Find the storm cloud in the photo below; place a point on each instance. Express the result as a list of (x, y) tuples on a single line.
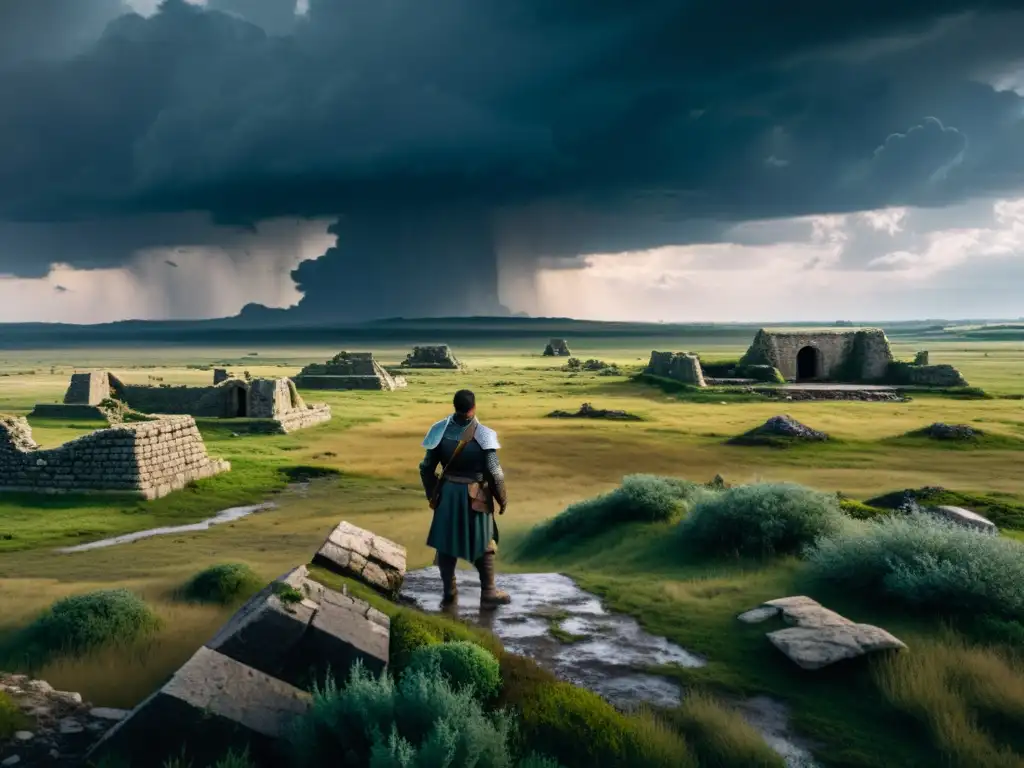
[(460, 142)]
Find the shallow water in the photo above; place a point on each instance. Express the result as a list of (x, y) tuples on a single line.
[(608, 654), (224, 516)]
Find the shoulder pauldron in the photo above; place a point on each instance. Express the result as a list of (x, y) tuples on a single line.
[(435, 433), (487, 438)]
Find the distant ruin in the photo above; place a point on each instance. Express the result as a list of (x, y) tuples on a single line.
[(826, 354), (148, 459), (348, 370), (683, 367), (436, 356), (557, 348), (274, 401)]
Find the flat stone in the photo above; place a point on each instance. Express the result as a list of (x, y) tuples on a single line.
[(24, 735), (819, 636), (360, 554), (69, 726), (38, 686), (9, 761), (108, 713), (964, 517), (213, 704)]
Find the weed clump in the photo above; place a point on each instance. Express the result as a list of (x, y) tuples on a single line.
[(223, 584), (919, 562), (640, 499), (462, 664), (761, 519), (719, 736), (11, 717), (419, 721), (80, 623)]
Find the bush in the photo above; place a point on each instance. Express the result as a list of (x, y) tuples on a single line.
[(77, 624), (411, 630), (764, 373), (761, 519), (720, 737), (462, 664), (420, 721), (640, 498), (858, 510), (222, 584), (916, 561), (582, 730)]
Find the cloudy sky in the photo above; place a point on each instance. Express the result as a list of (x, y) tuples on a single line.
[(610, 159)]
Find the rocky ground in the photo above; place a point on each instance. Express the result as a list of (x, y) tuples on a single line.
[(587, 411), (779, 430), (60, 727)]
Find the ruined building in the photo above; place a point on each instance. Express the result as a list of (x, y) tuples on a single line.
[(557, 348), (678, 366), (436, 356), (148, 459), (348, 370), (827, 354), (275, 401)]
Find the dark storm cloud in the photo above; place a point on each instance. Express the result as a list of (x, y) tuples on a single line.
[(536, 128), (32, 30)]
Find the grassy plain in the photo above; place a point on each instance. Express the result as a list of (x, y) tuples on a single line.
[(372, 445)]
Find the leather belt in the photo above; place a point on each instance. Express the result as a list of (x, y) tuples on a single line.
[(462, 480)]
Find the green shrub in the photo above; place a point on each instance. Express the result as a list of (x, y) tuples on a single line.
[(720, 737), (917, 561), (462, 664), (640, 499), (77, 624), (420, 721), (11, 718), (761, 519), (411, 630), (538, 761), (222, 584), (764, 373), (858, 510), (579, 728)]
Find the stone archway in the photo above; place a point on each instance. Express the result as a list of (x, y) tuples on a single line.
[(241, 402), (808, 364)]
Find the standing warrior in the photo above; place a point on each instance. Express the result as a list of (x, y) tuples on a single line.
[(463, 497)]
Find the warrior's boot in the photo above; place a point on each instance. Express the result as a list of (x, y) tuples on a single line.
[(490, 595), (446, 564)]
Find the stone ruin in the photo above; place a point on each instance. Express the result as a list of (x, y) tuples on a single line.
[(921, 358), (276, 402), (148, 459), (829, 354), (219, 375), (245, 685), (557, 348), (587, 411), (779, 431), (436, 356), (683, 367), (348, 370)]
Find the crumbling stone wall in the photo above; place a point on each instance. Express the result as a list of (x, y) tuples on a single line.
[(88, 388), (436, 356), (854, 355), (221, 401), (679, 366), (921, 358), (348, 370), (219, 375), (150, 459), (557, 348), (925, 375)]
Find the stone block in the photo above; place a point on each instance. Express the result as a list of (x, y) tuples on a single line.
[(964, 517), (213, 704), (359, 554)]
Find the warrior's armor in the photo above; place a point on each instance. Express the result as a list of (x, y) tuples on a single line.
[(458, 531)]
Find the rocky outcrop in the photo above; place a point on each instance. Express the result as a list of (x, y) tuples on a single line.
[(962, 517), (819, 637), (940, 431), (149, 459), (437, 356), (557, 348), (357, 553), (587, 411), (779, 431)]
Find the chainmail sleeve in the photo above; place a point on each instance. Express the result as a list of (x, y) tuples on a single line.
[(497, 478), (427, 471)]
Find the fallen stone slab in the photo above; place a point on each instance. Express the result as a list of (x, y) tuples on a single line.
[(964, 517), (297, 630), (359, 554), (820, 636), (212, 705)]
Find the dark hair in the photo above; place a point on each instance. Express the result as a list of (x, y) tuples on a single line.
[(464, 401)]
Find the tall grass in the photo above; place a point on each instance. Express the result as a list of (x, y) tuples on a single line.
[(970, 699), (639, 499), (760, 520), (931, 565), (719, 736)]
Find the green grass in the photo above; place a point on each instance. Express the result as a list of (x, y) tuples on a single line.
[(373, 445), (11, 717)]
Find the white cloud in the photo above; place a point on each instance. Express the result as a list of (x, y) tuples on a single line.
[(888, 264)]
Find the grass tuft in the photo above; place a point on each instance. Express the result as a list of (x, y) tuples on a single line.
[(224, 584), (719, 736)]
